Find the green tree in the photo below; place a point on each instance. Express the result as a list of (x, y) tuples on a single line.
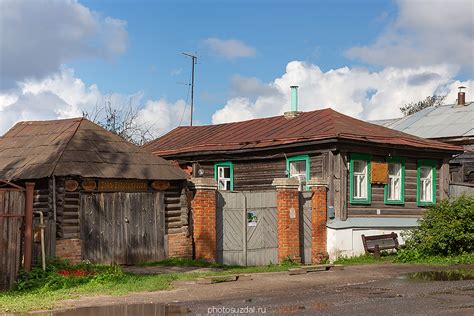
[(429, 101)]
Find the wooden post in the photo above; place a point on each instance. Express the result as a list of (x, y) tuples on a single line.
[(28, 224), (244, 241)]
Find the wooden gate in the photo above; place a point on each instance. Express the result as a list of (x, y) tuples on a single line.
[(247, 231), (306, 228), (12, 212), (123, 228)]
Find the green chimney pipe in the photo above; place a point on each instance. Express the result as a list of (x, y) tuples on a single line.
[(294, 98)]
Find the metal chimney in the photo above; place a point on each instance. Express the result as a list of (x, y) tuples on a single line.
[(294, 104), (294, 98), (461, 96)]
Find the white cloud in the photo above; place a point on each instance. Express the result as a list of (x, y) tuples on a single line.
[(424, 33), (353, 91), (62, 95), (230, 49), (38, 36), (163, 115)]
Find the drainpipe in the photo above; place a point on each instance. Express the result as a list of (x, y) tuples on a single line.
[(28, 224)]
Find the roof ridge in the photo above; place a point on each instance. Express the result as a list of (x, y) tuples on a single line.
[(65, 146)]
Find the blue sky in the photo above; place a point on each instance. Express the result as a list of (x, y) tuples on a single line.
[(363, 58), (280, 31)]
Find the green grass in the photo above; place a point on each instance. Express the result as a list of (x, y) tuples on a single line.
[(44, 290), (402, 257), (367, 259), (183, 262), (45, 298)]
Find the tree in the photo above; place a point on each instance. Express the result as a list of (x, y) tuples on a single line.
[(123, 121), (414, 107)]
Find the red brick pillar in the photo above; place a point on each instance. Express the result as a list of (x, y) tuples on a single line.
[(288, 209), (319, 218), (204, 218)]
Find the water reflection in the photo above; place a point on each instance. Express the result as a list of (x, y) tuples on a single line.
[(124, 310), (446, 275)]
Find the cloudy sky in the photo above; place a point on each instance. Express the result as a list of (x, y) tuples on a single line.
[(367, 58)]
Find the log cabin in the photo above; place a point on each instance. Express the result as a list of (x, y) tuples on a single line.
[(104, 199), (379, 180)]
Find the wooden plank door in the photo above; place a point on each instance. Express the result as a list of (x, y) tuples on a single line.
[(145, 227)]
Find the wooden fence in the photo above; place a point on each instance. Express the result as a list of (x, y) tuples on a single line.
[(247, 232), (456, 189), (12, 212), (306, 227), (123, 228)]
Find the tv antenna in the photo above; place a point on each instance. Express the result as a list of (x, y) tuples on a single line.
[(193, 62)]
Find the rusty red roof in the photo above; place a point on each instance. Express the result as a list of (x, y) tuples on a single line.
[(278, 130)]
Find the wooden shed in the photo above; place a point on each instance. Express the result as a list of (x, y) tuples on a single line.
[(103, 198)]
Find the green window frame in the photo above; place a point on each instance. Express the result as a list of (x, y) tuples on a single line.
[(299, 158), (401, 161), (425, 163), (366, 158), (231, 167)]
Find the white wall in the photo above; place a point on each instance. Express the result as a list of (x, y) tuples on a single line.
[(348, 242)]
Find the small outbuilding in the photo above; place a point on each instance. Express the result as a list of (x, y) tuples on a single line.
[(103, 198)]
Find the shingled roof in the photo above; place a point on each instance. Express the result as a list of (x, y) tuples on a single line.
[(38, 149), (278, 130)]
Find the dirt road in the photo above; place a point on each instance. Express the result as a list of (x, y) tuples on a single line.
[(356, 290)]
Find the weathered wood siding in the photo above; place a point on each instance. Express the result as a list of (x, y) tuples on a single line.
[(409, 209), (67, 209), (238, 243), (12, 210), (123, 228), (306, 227), (258, 175), (177, 209)]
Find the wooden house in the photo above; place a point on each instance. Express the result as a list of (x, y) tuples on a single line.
[(103, 198), (379, 179)]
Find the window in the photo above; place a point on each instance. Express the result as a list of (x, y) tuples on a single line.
[(298, 167), (394, 192), (224, 175), (426, 182), (359, 185)]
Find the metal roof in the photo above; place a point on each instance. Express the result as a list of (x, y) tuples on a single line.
[(316, 125), (442, 121), (38, 149)]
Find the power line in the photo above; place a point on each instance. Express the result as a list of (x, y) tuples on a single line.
[(193, 62)]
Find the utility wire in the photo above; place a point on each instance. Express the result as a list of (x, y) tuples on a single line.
[(187, 99)]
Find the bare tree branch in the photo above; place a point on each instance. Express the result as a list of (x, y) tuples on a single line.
[(121, 120), (414, 107)]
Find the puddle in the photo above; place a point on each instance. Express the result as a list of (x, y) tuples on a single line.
[(124, 310), (446, 275)]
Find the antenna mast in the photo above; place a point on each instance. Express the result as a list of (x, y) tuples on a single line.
[(193, 61)]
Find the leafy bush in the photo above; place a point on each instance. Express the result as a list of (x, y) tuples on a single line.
[(447, 229)]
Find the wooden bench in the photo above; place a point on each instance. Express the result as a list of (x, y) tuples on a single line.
[(373, 244)]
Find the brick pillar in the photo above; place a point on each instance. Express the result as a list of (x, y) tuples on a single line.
[(204, 218), (319, 218), (288, 209)]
